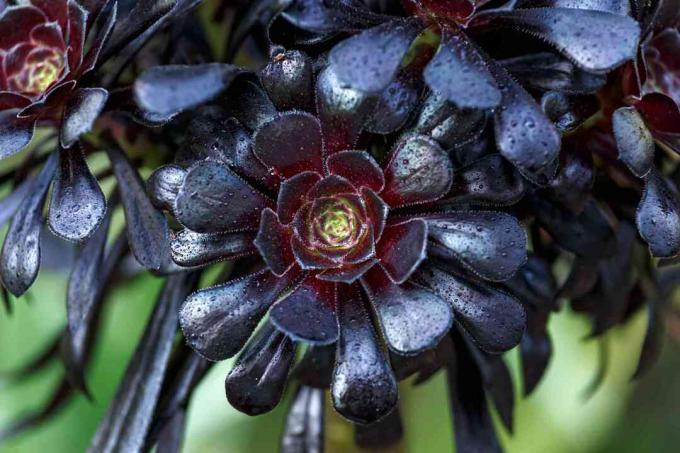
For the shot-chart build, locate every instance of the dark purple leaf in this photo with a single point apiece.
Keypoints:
(413, 319)
(289, 79)
(304, 430)
(217, 321)
(290, 143)
(658, 216)
(292, 194)
(256, 383)
(358, 167)
(307, 314)
(147, 228)
(369, 61)
(190, 249)
(634, 140)
(15, 133)
(653, 342)
(523, 133)
(214, 199)
(536, 349)
(595, 40)
(127, 421)
(78, 204)
(489, 181)
(417, 171)
(315, 369)
(402, 248)
(342, 112)
(494, 319)
(491, 244)
(249, 104)
(165, 91)
(82, 110)
(459, 73)
(164, 184)
(363, 389)
(20, 258)
(273, 243)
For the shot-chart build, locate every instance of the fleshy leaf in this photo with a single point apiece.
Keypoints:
(290, 143)
(289, 80)
(342, 112)
(214, 199)
(634, 140)
(78, 204)
(147, 228)
(217, 321)
(494, 319)
(189, 248)
(418, 171)
(363, 389)
(20, 258)
(413, 319)
(491, 244)
(658, 217)
(369, 61)
(307, 314)
(402, 248)
(524, 135)
(292, 194)
(165, 91)
(163, 186)
(82, 110)
(15, 133)
(255, 385)
(273, 243)
(595, 40)
(458, 73)
(358, 167)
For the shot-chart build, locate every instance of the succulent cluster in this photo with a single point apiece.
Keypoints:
(394, 186)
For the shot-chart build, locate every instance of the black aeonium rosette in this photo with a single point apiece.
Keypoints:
(340, 237)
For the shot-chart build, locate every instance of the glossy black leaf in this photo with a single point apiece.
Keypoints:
(587, 234)
(128, 418)
(634, 140)
(217, 321)
(78, 204)
(611, 6)
(491, 244)
(459, 73)
(412, 318)
(363, 388)
(189, 248)
(164, 184)
(535, 349)
(147, 229)
(342, 111)
(82, 110)
(658, 216)
(214, 199)
(20, 258)
(653, 342)
(256, 383)
(597, 41)
(15, 133)
(489, 181)
(289, 80)
(494, 319)
(523, 133)
(304, 429)
(315, 369)
(165, 91)
(249, 103)
(307, 313)
(369, 61)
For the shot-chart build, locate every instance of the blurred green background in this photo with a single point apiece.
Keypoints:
(620, 417)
